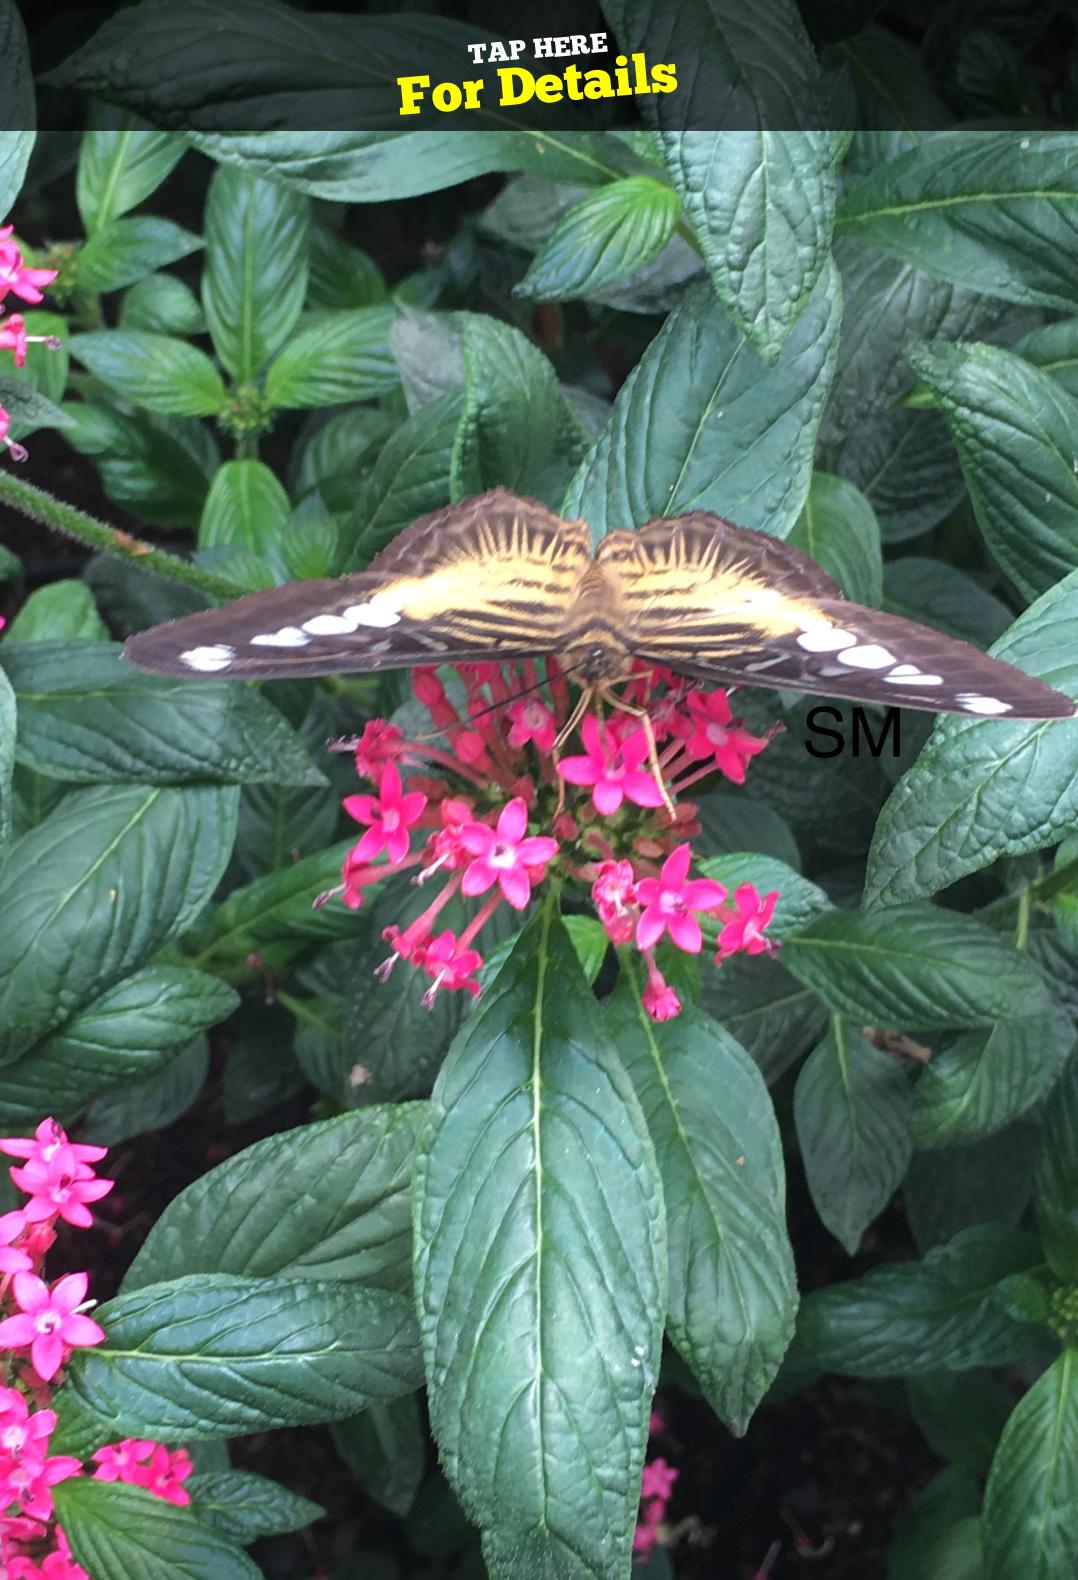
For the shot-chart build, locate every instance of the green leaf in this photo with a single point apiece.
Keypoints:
(121, 161)
(213, 1356)
(346, 1181)
(979, 791)
(733, 1294)
(131, 1032)
(1013, 427)
(939, 1535)
(936, 594)
(702, 423)
(908, 1318)
(151, 1103)
(989, 210)
(156, 1009)
(838, 529)
(1054, 349)
(953, 1189)
(277, 912)
(163, 305)
(731, 824)
(247, 508)
(961, 1416)
(342, 276)
(608, 235)
(117, 1531)
(62, 611)
(147, 859)
(914, 967)
(852, 1112)
(761, 205)
(28, 409)
(1031, 1500)
(126, 250)
(773, 1017)
(255, 279)
(158, 467)
(540, 1250)
(386, 1449)
(243, 1506)
(155, 371)
(977, 1083)
(411, 475)
(46, 367)
(7, 758)
(738, 67)
(333, 449)
(1056, 1177)
(516, 428)
(89, 718)
(334, 358)
(15, 146)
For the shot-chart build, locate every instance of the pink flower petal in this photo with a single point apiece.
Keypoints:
(685, 931)
(17, 1331)
(31, 1292)
(676, 867)
(515, 887)
(513, 821)
(69, 1291)
(608, 794)
(579, 770)
(649, 928)
(47, 1355)
(642, 790)
(476, 838)
(477, 879)
(81, 1330)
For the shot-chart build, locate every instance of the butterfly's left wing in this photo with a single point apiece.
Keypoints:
(490, 578)
(740, 607)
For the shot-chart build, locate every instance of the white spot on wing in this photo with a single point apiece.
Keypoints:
(287, 636)
(208, 659)
(910, 675)
(329, 625)
(825, 639)
(379, 611)
(974, 703)
(871, 656)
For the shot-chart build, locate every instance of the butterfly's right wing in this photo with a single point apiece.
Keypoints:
(487, 579)
(740, 607)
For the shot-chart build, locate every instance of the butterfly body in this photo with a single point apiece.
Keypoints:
(501, 578)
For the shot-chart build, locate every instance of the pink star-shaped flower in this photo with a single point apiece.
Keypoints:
(390, 814)
(18, 277)
(119, 1461)
(13, 337)
(658, 1480)
(60, 1188)
(744, 929)
(451, 966)
(48, 1321)
(670, 899)
(48, 1138)
(504, 856)
(718, 734)
(612, 768)
(531, 720)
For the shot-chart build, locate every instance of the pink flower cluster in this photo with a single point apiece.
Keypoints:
(490, 812)
(36, 1339)
(18, 279)
(656, 1489)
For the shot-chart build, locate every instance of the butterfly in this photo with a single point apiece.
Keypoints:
(500, 577)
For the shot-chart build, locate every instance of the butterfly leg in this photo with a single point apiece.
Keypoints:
(644, 716)
(582, 703)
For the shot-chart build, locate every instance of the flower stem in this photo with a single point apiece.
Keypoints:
(1025, 905)
(51, 512)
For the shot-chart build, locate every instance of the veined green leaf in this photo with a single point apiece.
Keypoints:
(609, 234)
(1031, 1500)
(540, 1263)
(155, 371)
(122, 159)
(116, 1531)
(702, 423)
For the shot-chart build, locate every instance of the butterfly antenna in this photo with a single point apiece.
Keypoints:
(504, 703)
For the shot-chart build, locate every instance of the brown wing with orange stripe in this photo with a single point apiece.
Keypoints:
(737, 606)
(488, 579)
